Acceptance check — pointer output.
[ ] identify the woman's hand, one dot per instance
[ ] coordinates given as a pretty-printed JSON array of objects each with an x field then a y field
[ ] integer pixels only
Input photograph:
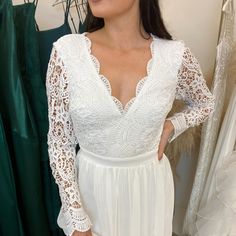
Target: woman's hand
[
  {"x": 87, "y": 233},
  {"x": 168, "y": 128}
]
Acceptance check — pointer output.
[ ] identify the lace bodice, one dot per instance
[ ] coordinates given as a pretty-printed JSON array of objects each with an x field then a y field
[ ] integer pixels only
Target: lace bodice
[{"x": 82, "y": 110}]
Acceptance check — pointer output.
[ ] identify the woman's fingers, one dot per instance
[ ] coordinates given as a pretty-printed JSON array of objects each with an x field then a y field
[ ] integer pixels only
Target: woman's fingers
[
  {"x": 167, "y": 129},
  {"x": 161, "y": 148},
  {"x": 87, "y": 233}
]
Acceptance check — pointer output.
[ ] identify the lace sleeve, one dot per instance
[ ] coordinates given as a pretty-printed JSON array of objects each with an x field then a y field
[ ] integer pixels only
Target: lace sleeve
[
  {"x": 192, "y": 89},
  {"x": 61, "y": 146}
]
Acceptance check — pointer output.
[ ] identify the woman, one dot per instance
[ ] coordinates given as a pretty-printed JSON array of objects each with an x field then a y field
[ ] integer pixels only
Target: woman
[{"x": 110, "y": 90}]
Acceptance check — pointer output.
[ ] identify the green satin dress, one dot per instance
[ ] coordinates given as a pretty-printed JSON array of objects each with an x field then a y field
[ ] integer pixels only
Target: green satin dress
[
  {"x": 21, "y": 129},
  {"x": 10, "y": 220}
]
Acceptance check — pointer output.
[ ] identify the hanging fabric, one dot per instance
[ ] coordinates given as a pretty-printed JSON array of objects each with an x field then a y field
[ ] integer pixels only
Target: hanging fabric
[
  {"x": 211, "y": 127},
  {"x": 81, "y": 27},
  {"x": 81, "y": 11},
  {"x": 29, "y": 64},
  {"x": 10, "y": 220},
  {"x": 218, "y": 215},
  {"x": 22, "y": 132}
]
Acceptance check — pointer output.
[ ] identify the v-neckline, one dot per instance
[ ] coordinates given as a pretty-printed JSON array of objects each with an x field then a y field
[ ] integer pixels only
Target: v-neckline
[{"x": 122, "y": 109}]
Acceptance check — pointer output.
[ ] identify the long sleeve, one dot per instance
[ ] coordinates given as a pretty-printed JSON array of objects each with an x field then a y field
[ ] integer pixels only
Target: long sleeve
[
  {"x": 62, "y": 146},
  {"x": 192, "y": 89}
]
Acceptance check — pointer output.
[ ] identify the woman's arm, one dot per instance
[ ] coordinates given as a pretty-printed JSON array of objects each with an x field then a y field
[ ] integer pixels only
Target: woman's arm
[
  {"x": 192, "y": 89},
  {"x": 61, "y": 145}
]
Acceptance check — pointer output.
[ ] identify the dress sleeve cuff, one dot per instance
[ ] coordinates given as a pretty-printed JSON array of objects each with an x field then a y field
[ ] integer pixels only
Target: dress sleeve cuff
[
  {"x": 74, "y": 219},
  {"x": 180, "y": 125}
]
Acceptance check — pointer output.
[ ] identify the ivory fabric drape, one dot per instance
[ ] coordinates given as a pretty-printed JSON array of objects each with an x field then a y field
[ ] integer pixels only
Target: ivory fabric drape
[
  {"x": 217, "y": 213},
  {"x": 211, "y": 127}
]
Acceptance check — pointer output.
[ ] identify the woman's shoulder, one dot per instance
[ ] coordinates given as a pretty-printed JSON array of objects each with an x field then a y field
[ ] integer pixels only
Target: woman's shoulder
[
  {"x": 170, "y": 48},
  {"x": 68, "y": 39},
  {"x": 170, "y": 43},
  {"x": 69, "y": 44},
  {"x": 171, "y": 51}
]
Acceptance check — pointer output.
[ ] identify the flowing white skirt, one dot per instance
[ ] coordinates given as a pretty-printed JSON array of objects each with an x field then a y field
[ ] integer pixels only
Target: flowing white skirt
[{"x": 131, "y": 196}]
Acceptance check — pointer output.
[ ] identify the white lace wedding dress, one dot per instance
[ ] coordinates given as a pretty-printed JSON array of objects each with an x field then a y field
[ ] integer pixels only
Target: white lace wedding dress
[{"x": 115, "y": 185}]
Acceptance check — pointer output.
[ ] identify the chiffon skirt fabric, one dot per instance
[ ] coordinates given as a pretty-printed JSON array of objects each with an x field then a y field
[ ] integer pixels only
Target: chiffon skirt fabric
[{"x": 131, "y": 196}]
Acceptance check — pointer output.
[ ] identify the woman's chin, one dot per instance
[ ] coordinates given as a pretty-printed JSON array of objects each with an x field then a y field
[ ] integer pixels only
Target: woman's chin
[{"x": 100, "y": 13}]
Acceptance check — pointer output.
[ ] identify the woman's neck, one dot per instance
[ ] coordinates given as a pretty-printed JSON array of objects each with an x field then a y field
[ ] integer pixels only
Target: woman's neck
[{"x": 124, "y": 31}]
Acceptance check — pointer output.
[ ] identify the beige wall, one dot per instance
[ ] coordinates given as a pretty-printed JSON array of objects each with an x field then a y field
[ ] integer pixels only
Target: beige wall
[{"x": 197, "y": 23}]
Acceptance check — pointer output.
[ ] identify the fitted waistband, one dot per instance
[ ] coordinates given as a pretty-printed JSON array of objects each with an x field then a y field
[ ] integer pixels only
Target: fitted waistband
[{"x": 118, "y": 161}]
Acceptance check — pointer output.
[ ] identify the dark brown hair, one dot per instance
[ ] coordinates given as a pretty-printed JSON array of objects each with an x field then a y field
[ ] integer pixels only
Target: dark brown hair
[{"x": 151, "y": 19}]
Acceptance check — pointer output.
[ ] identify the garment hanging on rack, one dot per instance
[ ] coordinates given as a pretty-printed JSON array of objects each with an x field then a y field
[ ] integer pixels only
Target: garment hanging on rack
[
  {"x": 21, "y": 129},
  {"x": 29, "y": 64},
  {"x": 10, "y": 219},
  {"x": 217, "y": 214}
]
